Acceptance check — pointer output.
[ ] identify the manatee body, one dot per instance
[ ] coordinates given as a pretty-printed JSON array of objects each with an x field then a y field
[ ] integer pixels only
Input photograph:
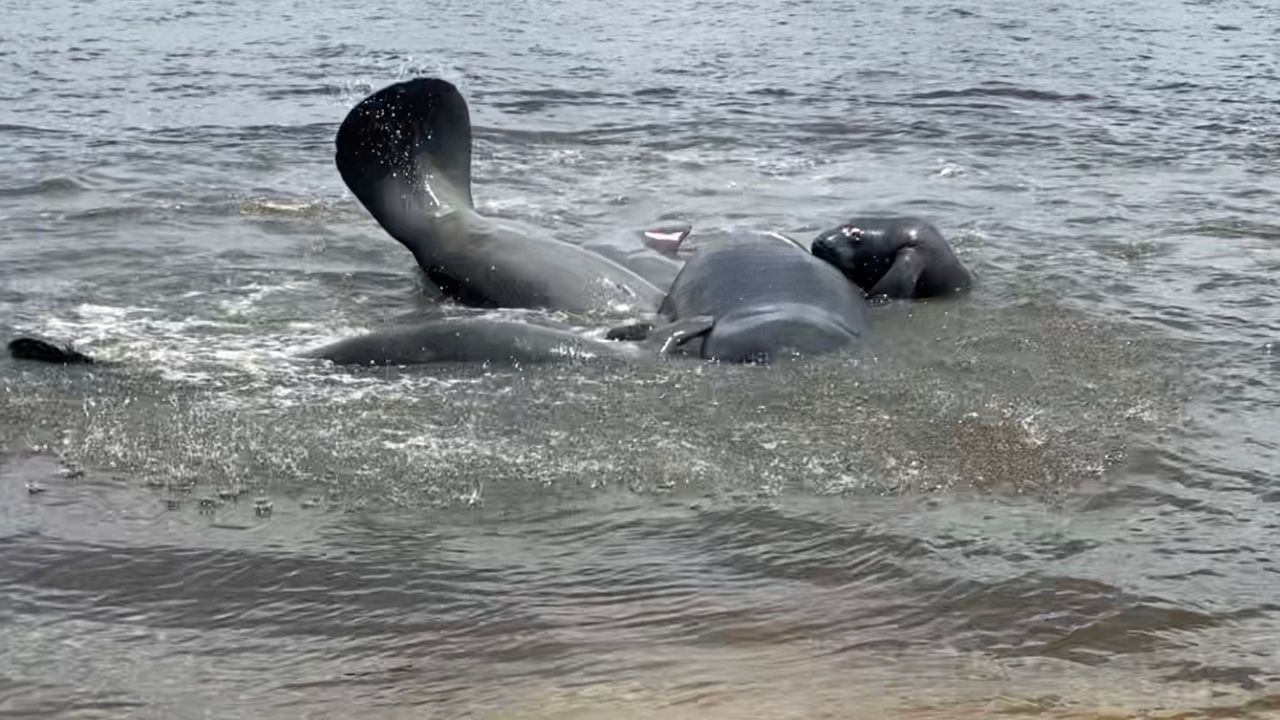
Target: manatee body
[
  {"x": 762, "y": 297},
  {"x": 463, "y": 340},
  {"x": 471, "y": 340}
]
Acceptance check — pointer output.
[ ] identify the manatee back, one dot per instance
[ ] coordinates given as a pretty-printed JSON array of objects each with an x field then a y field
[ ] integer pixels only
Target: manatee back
[{"x": 754, "y": 271}]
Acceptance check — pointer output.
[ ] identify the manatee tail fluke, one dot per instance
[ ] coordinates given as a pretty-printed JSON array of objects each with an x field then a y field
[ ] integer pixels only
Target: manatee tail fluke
[
  {"x": 29, "y": 348},
  {"x": 405, "y": 152}
]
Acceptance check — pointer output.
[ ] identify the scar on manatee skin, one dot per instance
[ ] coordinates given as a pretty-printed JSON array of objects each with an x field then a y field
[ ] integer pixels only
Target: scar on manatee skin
[{"x": 667, "y": 243}]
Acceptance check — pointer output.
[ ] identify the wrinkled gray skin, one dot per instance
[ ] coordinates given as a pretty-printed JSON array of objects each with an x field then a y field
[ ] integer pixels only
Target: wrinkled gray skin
[
  {"x": 761, "y": 298},
  {"x": 405, "y": 153},
  {"x": 893, "y": 257}
]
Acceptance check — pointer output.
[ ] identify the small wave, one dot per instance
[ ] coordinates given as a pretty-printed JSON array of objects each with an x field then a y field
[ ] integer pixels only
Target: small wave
[
  {"x": 552, "y": 94},
  {"x": 48, "y": 186},
  {"x": 1178, "y": 86},
  {"x": 292, "y": 91},
  {"x": 605, "y": 134},
  {"x": 1235, "y": 229},
  {"x": 266, "y": 207},
  {"x": 335, "y": 50},
  {"x": 530, "y": 101},
  {"x": 1003, "y": 90},
  {"x": 659, "y": 91},
  {"x": 29, "y": 130},
  {"x": 775, "y": 92},
  {"x": 119, "y": 212},
  {"x": 225, "y": 346},
  {"x": 201, "y": 134}
]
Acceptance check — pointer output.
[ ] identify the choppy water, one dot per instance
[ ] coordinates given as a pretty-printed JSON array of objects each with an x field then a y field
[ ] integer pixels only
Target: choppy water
[{"x": 1056, "y": 496}]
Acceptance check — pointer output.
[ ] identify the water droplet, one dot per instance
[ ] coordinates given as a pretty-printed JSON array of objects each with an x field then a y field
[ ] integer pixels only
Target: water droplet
[{"x": 262, "y": 507}]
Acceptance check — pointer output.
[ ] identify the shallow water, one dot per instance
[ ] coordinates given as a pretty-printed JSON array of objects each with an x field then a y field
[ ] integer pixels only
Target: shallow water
[{"x": 1055, "y": 496}]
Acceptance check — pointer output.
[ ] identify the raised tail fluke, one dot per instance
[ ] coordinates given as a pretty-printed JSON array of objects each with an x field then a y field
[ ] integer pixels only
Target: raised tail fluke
[{"x": 405, "y": 152}]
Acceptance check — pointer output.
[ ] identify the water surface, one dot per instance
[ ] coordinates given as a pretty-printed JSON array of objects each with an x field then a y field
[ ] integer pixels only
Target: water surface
[{"x": 1054, "y": 496}]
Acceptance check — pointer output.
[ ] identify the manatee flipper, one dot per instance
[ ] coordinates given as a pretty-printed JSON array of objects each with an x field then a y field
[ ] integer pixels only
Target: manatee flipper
[
  {"x": 679, "y": 336},
  {"x": 28, "y": 348},
  {"x": 899, "y": 282},
  {"x": 666, "y": 238},
  {"x": 632, "y": 332},
  {"x": 405, "y": 153}
]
